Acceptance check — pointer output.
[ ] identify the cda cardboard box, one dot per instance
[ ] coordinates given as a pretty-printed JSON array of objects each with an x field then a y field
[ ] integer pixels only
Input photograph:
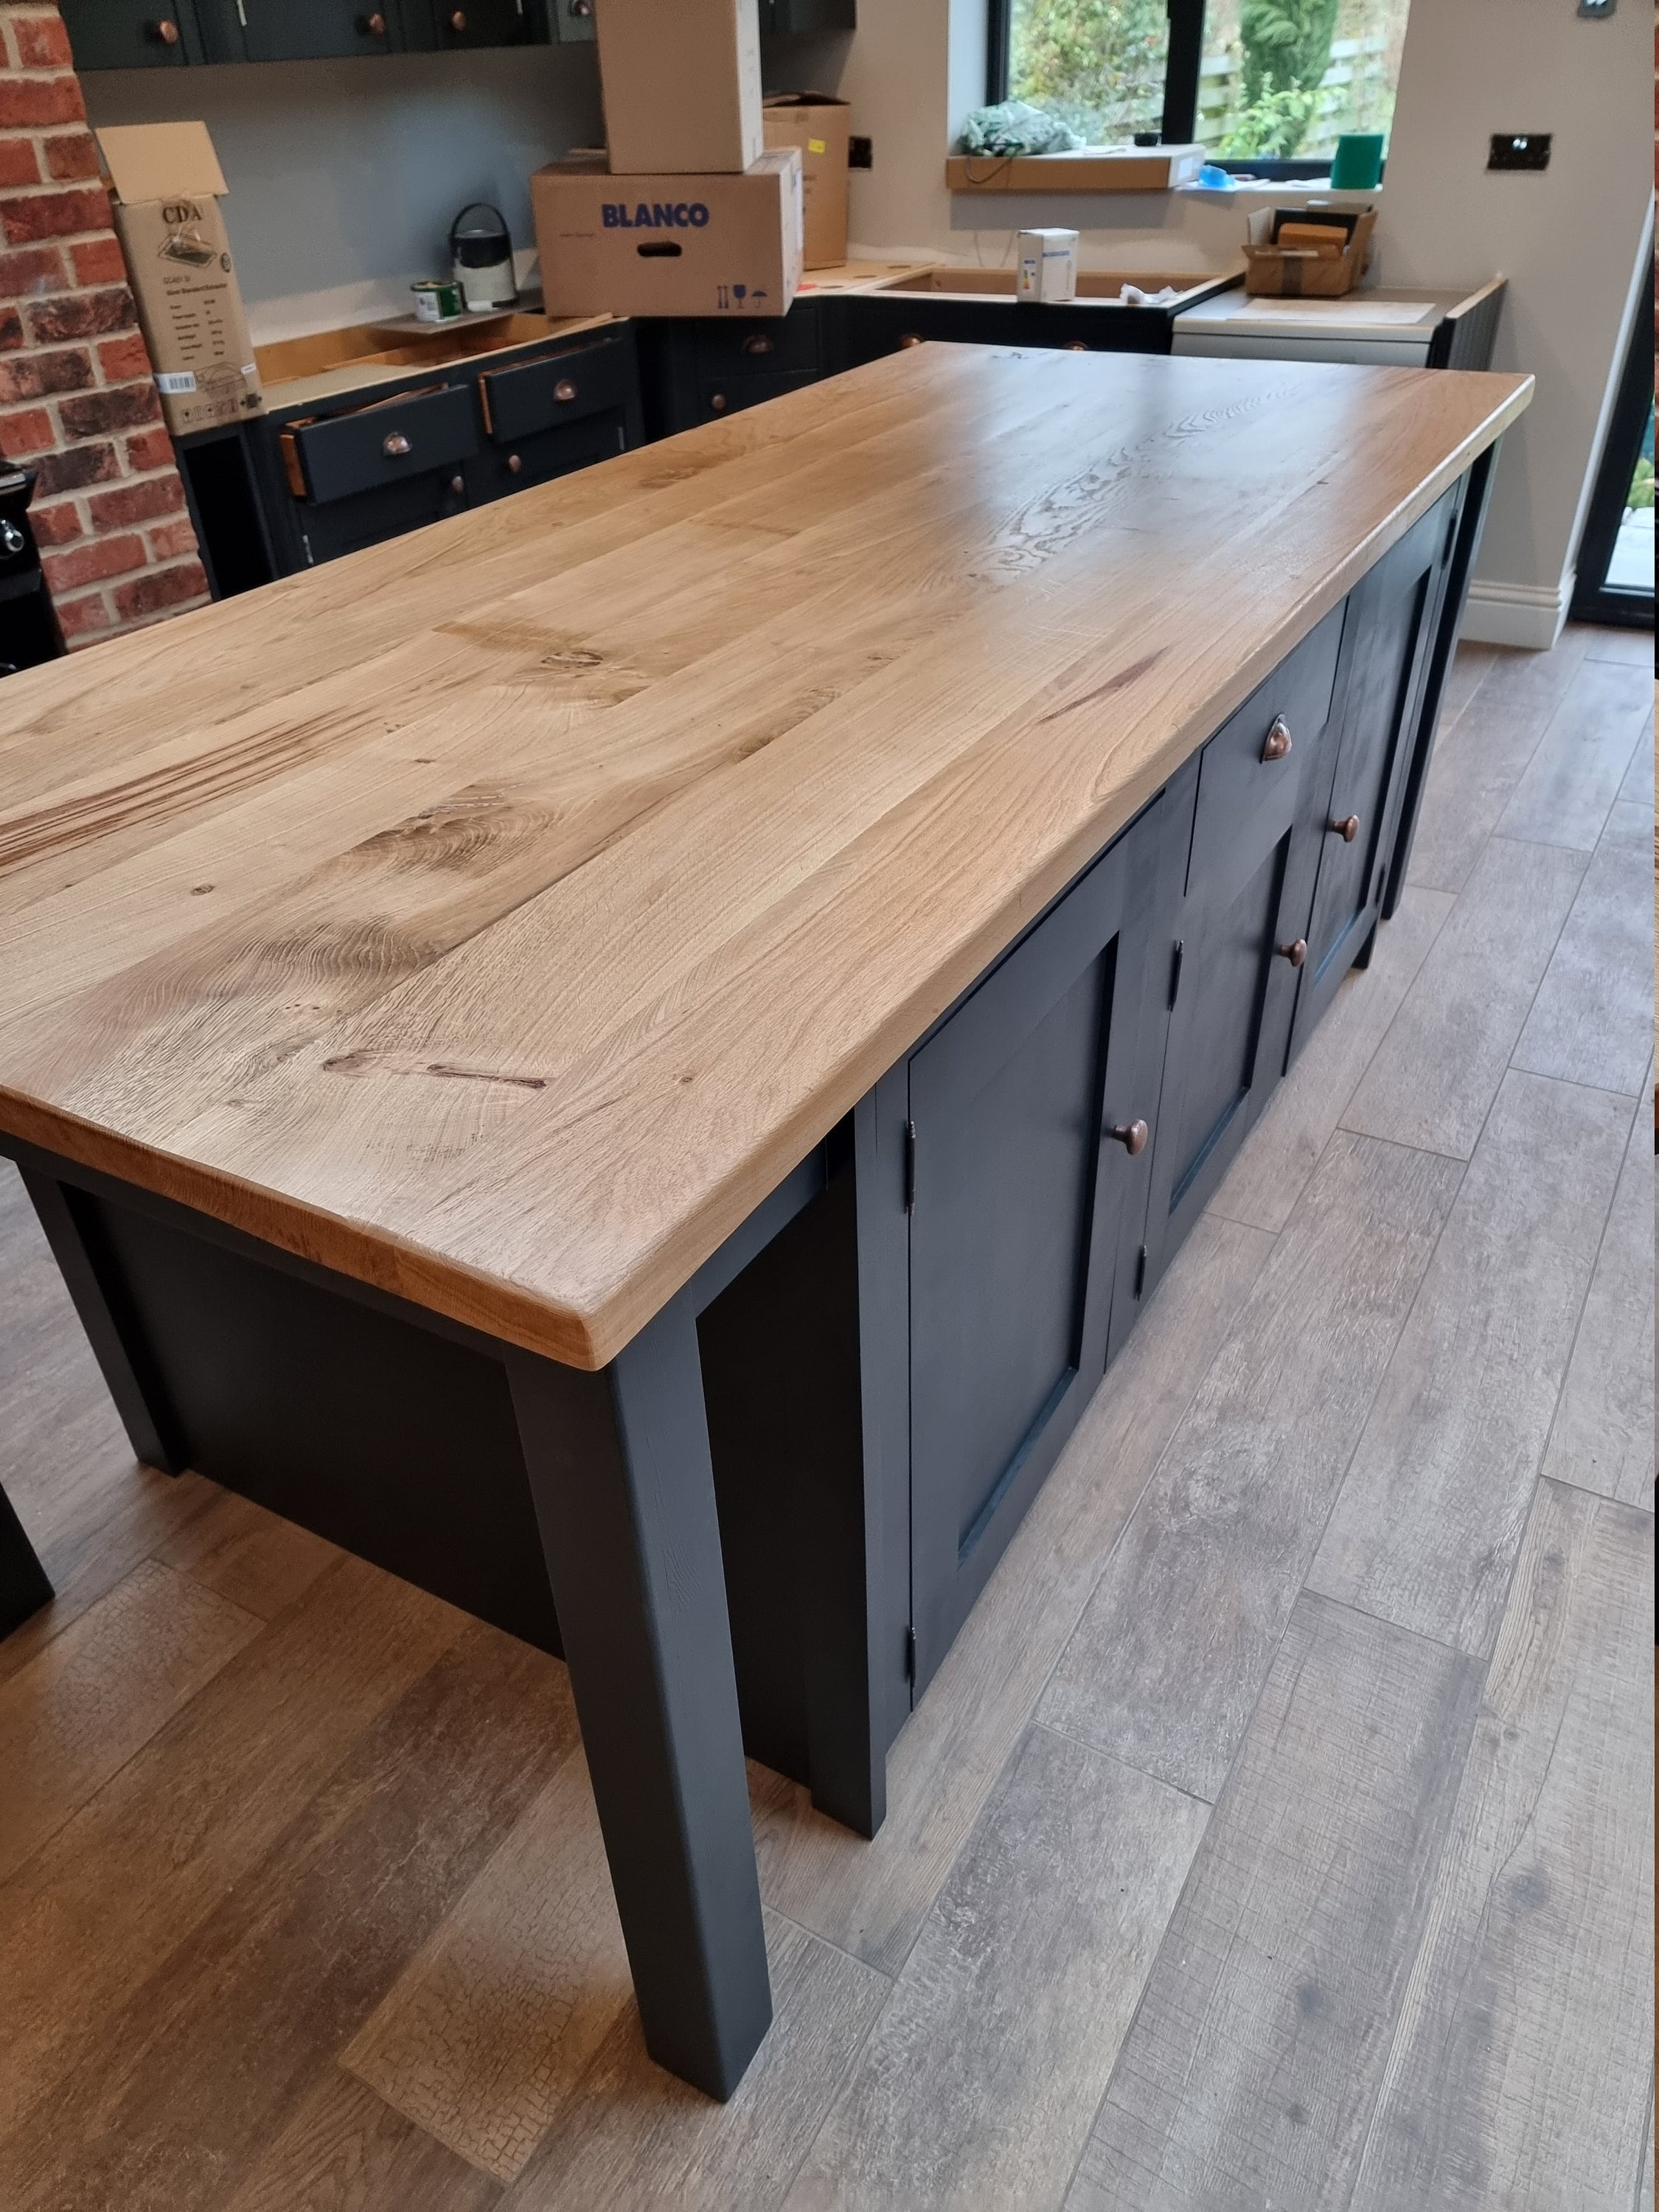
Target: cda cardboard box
[
  {"x": 167, "y": 184},
  {"x": 670, "y": 244},
  {"x": 682, "y": 85},
  {"x": 819, "y": 125}
]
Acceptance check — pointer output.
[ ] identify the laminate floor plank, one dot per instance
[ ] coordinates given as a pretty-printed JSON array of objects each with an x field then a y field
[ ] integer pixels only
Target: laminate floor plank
[
  {"x": 1165, "y": 1667},
  {"x": 980, "y": 2080},
  {"x": 344, "y": 2151},
  {"x": 1431, "y": 1515},
  {"x": 1520, "y": 2069},
  {"x": 1271, "y": 1171},
  {"x": 1634, "y": 646},
  {"x": 1469, "y": 666},
  {"x": 1574, "y": 776},
  {"x": 1433, "y": 1077},
  {"x": 629, "y": 2138},
  {"x": 1637, "y": 789},
  {"x": 210, "y": 2058},
  {"x": 247, "y": 1554},
  {"x": 87, "y": 1924},
  {"x": 1252, "y": 2067},
  {"x": 491, "y": 2023},
  {"x": 1480, "y": 759},
  {"x": 1602, "y": 1436},
  {"x": 1644, "y": 2191},
  {"x": 95, "y": 1695},
  {"x": 870, "y": 1897},
  {"x": 1592, "y": 1021}
]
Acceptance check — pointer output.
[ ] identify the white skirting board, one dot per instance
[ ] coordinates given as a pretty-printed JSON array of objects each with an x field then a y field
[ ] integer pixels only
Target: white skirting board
[{"x": 1529, "y": 615}]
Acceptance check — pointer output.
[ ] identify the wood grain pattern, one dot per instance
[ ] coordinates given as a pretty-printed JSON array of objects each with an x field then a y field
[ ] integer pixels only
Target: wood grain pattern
[
  {"x": 1166, "y": 1664},
  {"x": 1433, "y": 1079},
  {"x": 1574, "y": 776},
  {"x": 872, "y": 1898},
  {"x": 629, "y": 2138},
  {"x": 1602, "y": 1436},
  {"x": 98, "y": 1691},
  {"x": 344, "y": 2151},
  {"x": 1518, "y": 2072},
  {"x": 979, "y": 2082},
  {"x": 1592, "y": 1021},
  {"x": 1249, "y": 2074},
  {"x": 1271, "y": 1171},
  {"x": 1431, "y": 1515},
  {"x": 625, "y": 939}
]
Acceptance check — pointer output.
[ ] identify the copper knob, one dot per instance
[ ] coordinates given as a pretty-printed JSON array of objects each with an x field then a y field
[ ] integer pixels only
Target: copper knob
[
  {"x": 1132, "y": 1135},
  {"x": 167, "y": 31},
  {"x": 1348, "y": 829},
  {"x": 717, "y": 403},
  {"x": 515, "y": 463},
  {"x": 457, "y": 485},
  {"x": 910, "y": 338},
  {"x": 394, "y": 444},
  {"x": 458, "y": 20},
  {"x": 374, "y": 25},
  {"x": 757, "y": 344},
  {"x": 1077, "y": 345},
  {"x": 1296, "y": 952},
  {"x": 1279, "y": 740},
  {"x": 564, "y": 389}
]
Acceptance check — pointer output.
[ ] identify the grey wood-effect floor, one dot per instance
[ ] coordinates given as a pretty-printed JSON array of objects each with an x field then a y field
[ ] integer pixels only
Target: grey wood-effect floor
[{"x": 1278, "y": 1834}]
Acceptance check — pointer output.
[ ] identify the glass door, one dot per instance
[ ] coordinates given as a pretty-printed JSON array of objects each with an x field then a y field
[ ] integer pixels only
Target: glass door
[{"x": 1615, "y": 557}]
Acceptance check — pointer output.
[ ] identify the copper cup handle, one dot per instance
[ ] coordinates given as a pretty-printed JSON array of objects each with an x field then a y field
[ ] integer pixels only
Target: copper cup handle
[{"x": 1279, "y": 740}]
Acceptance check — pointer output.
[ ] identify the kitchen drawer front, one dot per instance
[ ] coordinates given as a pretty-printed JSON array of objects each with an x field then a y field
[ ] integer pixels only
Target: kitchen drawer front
[
  {"x": 730, "y": 395},
  {"x": 310, "y": 30},
  {"x": 346, "y": 525},
  {"x": 448, "y": 24},
  {"x": 771, "y": 345},
  {"x": 1253, "y": 767},
  {"x": 131, "y": 34},
  {"x": 538, "y": 396},
  {"x": 549, "y": 453},
  {"x": 380, "y": 447}
]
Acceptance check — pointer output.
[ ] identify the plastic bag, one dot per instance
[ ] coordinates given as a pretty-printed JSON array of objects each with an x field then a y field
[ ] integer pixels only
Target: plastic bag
[{"x": 1013, "y": 126}]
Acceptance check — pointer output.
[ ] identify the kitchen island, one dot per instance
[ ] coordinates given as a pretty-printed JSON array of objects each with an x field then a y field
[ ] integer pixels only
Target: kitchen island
[{"x": 633, "y": 1056}]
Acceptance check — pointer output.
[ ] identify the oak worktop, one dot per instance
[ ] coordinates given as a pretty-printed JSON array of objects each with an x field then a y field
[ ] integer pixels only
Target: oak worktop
[{"x": 498, "y": 914}]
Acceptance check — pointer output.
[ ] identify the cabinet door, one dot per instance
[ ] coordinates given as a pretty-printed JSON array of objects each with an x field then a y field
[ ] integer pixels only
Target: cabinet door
[
  {"x": 131, "y": 34},
  {"x": 1021, "y": 1194},
  {"x": 1392, "y": 612},
  {"x": 311, "y": 30},
  {"x": 456, "y": 23},
  {"x": 1240, "y": 936}
]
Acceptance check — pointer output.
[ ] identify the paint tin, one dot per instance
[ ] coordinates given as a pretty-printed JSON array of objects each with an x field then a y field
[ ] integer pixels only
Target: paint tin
[{"x": 435, "y": 301}]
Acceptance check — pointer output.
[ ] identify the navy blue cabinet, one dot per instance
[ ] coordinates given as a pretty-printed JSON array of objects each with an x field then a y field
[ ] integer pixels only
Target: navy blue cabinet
[{"x": 132, "y": 34}]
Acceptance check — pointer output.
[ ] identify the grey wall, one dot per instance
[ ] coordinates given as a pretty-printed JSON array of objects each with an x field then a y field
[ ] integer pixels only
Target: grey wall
[{"x": 344, "y": 176}]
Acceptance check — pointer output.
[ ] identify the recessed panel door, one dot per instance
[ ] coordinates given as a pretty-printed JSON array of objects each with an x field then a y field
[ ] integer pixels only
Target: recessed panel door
[{"x": 1029, "y": 1111}]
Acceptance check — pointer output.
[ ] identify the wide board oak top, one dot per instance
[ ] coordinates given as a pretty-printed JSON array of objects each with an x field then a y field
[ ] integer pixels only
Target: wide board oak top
[{"x": 497, "y": 915}]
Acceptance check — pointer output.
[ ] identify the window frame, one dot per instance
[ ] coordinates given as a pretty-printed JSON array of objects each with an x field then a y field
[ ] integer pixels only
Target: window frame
[{"x": 1181, "y": 68}]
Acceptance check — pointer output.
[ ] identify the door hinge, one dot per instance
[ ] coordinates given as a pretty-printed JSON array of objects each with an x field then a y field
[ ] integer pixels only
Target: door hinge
[
  {"x": 1140, "y": 1271},
  {"x": 1175, "y": 973},
  {"x": 909, "y": 1167},
  {"x": 909, "y": 1655}
]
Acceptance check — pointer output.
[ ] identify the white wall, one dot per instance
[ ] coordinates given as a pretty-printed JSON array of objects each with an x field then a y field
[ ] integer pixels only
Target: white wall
[
  {"x": 344, "y": 176},
  {"x": 1571, "y": 241}
]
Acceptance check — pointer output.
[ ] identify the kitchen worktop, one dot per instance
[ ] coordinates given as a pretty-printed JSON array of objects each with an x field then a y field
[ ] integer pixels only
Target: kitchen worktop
[{"x": 496, "y": 916}]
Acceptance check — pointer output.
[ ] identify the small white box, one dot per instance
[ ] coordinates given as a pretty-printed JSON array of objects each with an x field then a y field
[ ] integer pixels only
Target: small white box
[{"x": 1046, "y": 265}]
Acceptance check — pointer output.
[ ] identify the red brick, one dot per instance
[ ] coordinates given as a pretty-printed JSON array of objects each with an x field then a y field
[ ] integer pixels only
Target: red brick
[
  {"x": 36, "y": 101},
  {"x": 137, "y": 503},
  {"x": 91, "y": 563},
  {"x": 98, "y": 261},
  {"x": 28, "y": 216},
  {"x": 38, "y": 268},
  {"x": 28, "y": 432},
  {"x": 54, "y": 526},
  {"x": 169, "y": 540},
  {"x": 11, "y": 329},
  {"x": 18, "y": 165},
  {"x": 74, "y": 470},
  {"x": 36, "y": 374},
  {"x": 123, "y": 359},
  {"x": 42, "y": 42},
  {"x": 78, "y": 617},
  {"x": 158, "y": 588},
  {"x": 70, "y": 154},
  {"x": 82, "y": 315},
  {"x": 151, "y": 449},
  {"x": 92, "y": 413}
]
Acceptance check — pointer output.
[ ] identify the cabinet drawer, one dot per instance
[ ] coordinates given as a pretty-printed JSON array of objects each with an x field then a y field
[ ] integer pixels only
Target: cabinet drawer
[
  {"x": 1253, "y": 765},
  {"x": 730, "y": 395},
  {"x": 382, "y": 444},
  {"x": 549, "y": 453},
  {"x": 131, "y": 34},
  {"x": 540, "y": 395},
  {"x": 313, "y": 30},
  {"x": 759, "y": 345}
]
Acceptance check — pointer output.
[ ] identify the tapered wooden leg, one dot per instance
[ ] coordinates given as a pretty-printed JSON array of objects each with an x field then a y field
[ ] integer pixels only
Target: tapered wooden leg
[
  {"x": 24, "y": 1587},
  {"x": 112, "y": 1330},
  {"x": 619, "y": 1468}
]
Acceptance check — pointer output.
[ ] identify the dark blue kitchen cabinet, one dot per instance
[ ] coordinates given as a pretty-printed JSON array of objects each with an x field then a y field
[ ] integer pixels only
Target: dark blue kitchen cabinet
[{"x": 107, "y": 34}]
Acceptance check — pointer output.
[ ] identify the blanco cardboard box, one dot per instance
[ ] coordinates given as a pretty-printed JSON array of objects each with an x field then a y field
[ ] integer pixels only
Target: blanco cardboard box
[
  {"x": 1045, "y": 265},
  {"x": 682, "y": 85},
  {"x": 671, "y": 244}
]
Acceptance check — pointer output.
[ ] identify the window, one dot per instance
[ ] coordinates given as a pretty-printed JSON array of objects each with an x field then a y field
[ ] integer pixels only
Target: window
[{"x": 1260, "y": 83}]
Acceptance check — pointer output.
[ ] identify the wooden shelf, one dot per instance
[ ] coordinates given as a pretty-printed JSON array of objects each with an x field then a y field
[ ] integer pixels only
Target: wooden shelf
[{"x": 1141, "y": 169}]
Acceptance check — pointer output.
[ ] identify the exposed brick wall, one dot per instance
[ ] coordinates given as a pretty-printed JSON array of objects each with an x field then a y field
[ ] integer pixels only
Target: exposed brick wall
[{"x": 77, "y": 401}]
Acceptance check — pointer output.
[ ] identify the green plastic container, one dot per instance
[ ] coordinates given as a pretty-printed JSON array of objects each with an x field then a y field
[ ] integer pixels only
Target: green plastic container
[{"x": 1356, "y": 164}]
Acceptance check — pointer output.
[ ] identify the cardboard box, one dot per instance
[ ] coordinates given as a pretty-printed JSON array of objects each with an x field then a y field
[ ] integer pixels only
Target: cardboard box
[
  {"x": 165, "y": 182},
  {"x": 819, "y": 125},
  {"x": 682, "y": 85},
  {"x": 1045, "y": 265},
  {"x": 669, "y": 245}
]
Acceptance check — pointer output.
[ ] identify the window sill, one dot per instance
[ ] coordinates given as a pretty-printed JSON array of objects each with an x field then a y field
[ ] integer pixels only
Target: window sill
[{"x": 1140, "y": 169}]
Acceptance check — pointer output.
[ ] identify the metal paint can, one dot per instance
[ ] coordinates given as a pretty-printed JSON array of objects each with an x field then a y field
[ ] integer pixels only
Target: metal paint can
[{"x": 437, "y": 301}]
